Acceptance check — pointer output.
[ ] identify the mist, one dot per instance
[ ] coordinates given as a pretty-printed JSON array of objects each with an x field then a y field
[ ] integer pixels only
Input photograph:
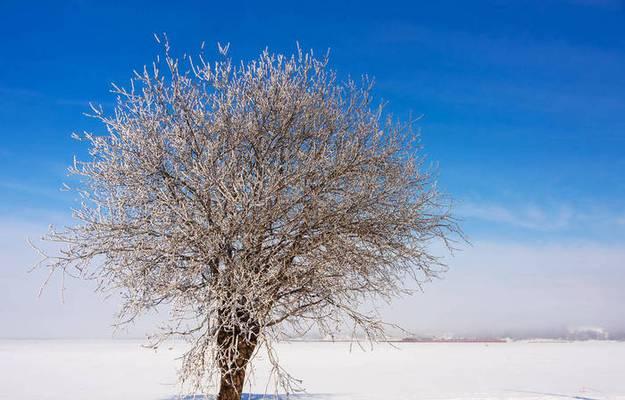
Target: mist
[{"x": 492, "y": 289}]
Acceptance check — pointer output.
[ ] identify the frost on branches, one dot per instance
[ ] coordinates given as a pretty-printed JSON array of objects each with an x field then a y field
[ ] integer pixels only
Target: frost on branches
[{"x": 256, "y": 201}]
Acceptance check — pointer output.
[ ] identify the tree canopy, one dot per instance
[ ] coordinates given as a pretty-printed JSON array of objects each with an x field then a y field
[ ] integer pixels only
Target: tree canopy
[{"x": 254, "y": 200}]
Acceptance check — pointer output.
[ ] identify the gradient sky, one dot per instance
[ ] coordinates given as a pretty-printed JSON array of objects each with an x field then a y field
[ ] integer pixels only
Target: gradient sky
[{"x": 522, "y": 105}]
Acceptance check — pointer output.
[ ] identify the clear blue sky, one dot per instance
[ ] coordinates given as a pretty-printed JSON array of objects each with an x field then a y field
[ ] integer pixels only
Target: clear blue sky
[{"x": 523, "y": 103}]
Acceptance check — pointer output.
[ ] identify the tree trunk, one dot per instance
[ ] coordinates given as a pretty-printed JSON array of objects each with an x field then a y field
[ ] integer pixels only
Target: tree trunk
[{"x": 233, "y": 371}]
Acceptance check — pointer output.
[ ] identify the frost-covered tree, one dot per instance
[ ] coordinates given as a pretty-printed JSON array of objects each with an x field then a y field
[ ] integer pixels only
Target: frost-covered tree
[{"x": 255, "y": 202}]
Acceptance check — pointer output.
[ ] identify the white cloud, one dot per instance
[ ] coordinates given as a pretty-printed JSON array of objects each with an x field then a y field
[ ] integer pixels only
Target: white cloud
[
  {"x": 529, "y": 216},
  {"x": 562, "y": 218}
]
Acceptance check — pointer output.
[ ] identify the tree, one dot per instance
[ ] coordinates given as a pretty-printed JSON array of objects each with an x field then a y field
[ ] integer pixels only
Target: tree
[{"x": 254, "y": 201}]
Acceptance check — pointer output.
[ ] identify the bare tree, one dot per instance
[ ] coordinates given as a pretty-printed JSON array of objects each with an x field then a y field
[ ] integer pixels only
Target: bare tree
[{"x": 256, "y": 201}]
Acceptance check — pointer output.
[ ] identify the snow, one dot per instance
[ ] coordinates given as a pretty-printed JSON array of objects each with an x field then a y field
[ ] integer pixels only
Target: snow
[{"x": 122, "y": 369}]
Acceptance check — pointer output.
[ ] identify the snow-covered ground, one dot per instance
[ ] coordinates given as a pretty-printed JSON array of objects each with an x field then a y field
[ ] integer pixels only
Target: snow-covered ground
[{"x": 122, "y": 369}]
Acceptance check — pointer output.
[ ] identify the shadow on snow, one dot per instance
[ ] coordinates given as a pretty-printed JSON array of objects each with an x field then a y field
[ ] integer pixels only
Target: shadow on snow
[{"x": 258, "y": 396}]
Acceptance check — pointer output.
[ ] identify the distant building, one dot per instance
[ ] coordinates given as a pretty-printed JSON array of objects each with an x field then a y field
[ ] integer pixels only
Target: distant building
[{"x": 587, "y": 333}]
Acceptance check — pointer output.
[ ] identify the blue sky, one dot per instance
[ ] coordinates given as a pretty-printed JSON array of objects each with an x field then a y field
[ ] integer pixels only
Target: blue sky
[{"x": 522, "y": 103}]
